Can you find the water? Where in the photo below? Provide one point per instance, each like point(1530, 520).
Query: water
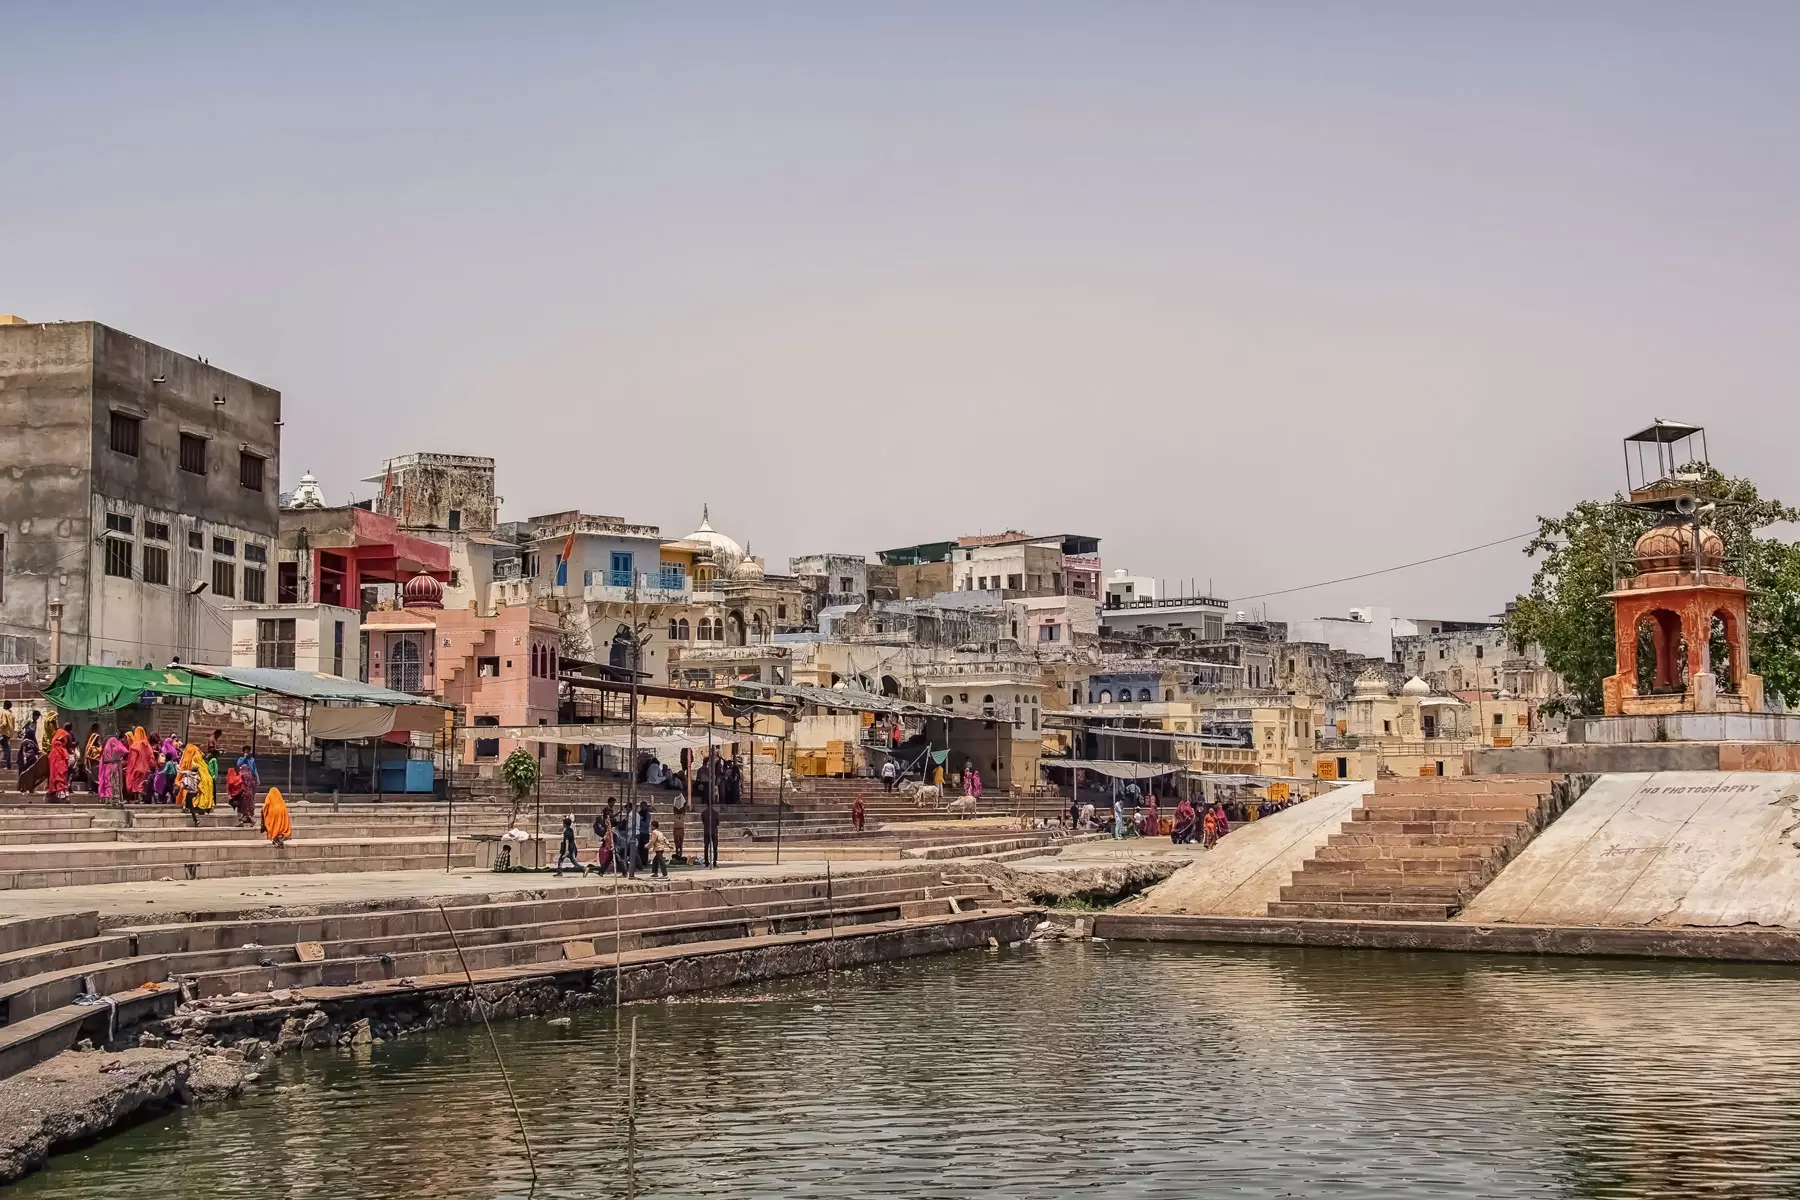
point(1073, 1070)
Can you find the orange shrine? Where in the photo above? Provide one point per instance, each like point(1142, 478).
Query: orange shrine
point(1681, 600)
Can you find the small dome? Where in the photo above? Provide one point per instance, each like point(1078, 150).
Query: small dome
point(750, 570)
point(1670, 547)
point(726, 553)
point(422, 591)
point(1371, 683)
point(1415, 687)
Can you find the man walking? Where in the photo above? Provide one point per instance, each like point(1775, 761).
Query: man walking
point(659, 851)
point(889, 773)
point(8, 727)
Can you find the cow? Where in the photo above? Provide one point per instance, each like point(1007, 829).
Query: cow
point(964, 807)
point(928, 795)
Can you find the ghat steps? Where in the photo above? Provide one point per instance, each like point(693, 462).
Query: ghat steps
point(1418, 849)
point(46, 963)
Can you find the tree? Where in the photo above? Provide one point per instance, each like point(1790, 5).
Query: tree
point(520, 770)
point(1586, 549)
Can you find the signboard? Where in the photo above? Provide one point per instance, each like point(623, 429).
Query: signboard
point(1501, 741)
point(1280, 791)
point(1325, 768)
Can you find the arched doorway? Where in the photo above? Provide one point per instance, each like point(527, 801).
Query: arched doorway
point(890, 686)
point(734, 629)
point(1723, 637)
point(1661, 654)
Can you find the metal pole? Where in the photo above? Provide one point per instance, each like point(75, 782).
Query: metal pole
point(780, 795)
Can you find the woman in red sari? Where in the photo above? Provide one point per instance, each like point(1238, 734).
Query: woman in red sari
point(58, 788)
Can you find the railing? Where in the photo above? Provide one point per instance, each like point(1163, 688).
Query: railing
point(667, 582)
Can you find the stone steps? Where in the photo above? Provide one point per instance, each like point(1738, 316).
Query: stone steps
point(239, 868)
point(1418, 849)
point(219, 958)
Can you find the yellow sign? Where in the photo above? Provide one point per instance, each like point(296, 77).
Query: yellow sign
point(1502, 742)
point(1279, 791)
point(1326, 768)
point(1428, 769)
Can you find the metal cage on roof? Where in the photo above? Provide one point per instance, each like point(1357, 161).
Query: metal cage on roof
point(1659, 462)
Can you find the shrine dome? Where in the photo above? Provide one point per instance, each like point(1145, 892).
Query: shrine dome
point(422, 591)
point(1670, 547)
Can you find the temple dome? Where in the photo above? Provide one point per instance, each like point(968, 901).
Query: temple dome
point(1670, 547)
point(422, 591)
point(726, 553)
point(308, 494)
point(1415, 687)
point(748, 571)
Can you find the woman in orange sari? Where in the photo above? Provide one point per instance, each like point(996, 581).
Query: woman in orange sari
point(91, 751)
point(140, 760)
point(275, 824)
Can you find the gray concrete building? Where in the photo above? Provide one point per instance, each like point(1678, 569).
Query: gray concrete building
point(138, 493)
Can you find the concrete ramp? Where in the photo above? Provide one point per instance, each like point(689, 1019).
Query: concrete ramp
point(1240, 876)
point(1674, 848)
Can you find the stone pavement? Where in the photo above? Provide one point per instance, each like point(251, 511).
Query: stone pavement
point(146, 901)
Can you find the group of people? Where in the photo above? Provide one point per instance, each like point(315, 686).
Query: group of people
point(1209, 824)
point(127, 767)
point(631, 840)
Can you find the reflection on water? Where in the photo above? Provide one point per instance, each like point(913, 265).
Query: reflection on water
point(1069, 1070)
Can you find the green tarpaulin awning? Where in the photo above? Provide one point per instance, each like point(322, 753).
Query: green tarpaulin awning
point(86, 689)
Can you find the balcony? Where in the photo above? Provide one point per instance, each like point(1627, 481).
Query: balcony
point(648, 587)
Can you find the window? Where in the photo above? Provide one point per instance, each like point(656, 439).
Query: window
point(124, 438)
point(225, 546)
point(118, 523)
point(781, 611)
point(193, 454)
point(156, 531)
point(674, 629)
point(118, 557)
point(1049, 633)
point(1387, 727)
point(487, 667)
point(528, 564)
point(156, 565)
point(1106, 697)
point(195, 540)
point(337, 648)
point(1496, 718)
point(1144, 695)
point(682, 626)
point(254, 553)
point(846, 584)
point(287, 584)
point(455, 519)
point(1056, 581)
point(274, 642)
point(255, 579)
point(224, 580)
point(487, 747)
point(1478, 651)
point(250, 471)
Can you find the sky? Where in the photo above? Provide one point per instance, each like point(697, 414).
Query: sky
point(1260, 295)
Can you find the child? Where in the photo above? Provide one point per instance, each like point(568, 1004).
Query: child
point(658, 846)
point(566, 849)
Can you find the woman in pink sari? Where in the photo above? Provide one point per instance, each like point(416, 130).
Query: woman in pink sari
point(112, 763)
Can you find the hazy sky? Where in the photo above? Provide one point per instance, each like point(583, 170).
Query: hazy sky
point(1259, 294)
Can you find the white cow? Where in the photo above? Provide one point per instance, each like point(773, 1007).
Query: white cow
point(964, 807)
point(928, 795)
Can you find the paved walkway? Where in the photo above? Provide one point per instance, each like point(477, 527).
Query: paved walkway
point(147, 900)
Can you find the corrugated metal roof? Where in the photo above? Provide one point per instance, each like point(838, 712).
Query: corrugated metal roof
point(313, 686)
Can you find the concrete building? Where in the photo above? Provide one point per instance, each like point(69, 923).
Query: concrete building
point(450, 499)
point(320, 638)
point(1006, 755)
point(1053, 624)
point(1471, 657)
point(141, 491)
point(831, 580)
point(1016, 564)
point(1131, 605)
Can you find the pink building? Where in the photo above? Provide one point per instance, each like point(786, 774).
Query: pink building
point(497, 670)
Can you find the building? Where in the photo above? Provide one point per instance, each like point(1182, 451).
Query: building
point(141, 494)
point(1005, 753)
point(1053, 624)
point(1471, 657)
point(914, 572)
point(1131, 606)
point(1017, 564)
point(831, 580)
point(320, 638)
point(445, 493)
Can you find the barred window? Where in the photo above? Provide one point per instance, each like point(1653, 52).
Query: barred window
point(275, 643)
point(193, 454)
point(124, 439)
point(156, 564)
point(254, 553)
point(224, 580)
point(250, 471)
point(118, 558)
point(253, 584)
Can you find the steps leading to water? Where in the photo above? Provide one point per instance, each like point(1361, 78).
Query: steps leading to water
point(1418, 849)
point(46, 964)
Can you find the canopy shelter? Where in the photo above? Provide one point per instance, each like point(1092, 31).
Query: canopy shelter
point(1113, 767)
point(88, 689)
point(314, 687)
point(662, 739)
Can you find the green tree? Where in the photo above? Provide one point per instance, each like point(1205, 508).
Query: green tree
point(1586, 549)
point(520, 770)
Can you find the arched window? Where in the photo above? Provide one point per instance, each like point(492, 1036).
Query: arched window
point(674, 629)
point(1106, 697)
point(1169, 695)
point(1144, 695)
point(404, 666)
point(704, 632)
point(681, 629)
point(949, 700)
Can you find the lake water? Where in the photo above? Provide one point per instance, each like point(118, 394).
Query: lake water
point(1067, 1070)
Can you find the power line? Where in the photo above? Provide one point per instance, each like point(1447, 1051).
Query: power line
point(1517, 537)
